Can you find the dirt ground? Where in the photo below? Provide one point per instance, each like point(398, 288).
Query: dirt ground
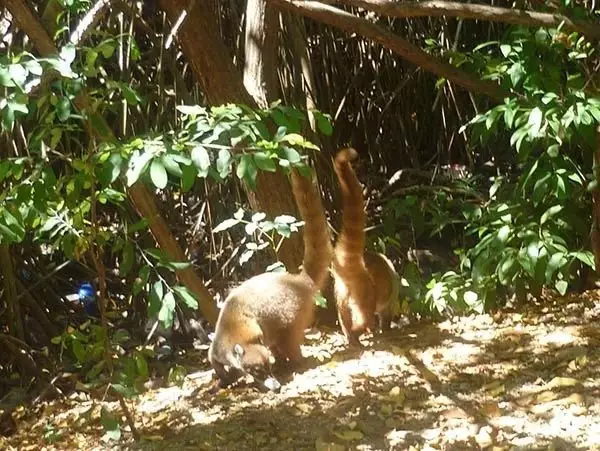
point(512, 380)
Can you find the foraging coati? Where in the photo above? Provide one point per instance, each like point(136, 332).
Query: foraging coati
point(364, 282)
point(265, 317)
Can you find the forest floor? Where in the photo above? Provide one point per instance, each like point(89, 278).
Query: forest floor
point(526, 380)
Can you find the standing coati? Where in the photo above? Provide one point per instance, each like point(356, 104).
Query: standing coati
point(364, 282)
point(265, 317)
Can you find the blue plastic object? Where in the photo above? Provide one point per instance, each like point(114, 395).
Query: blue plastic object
point(87, 297)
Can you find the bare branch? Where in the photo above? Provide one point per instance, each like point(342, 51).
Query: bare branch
point(351, 23)
point(88, 21)
point(436, 8)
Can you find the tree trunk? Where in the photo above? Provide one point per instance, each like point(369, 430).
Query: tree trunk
point(595, 233)
point(10, 292)
point(222, 83)
point(260, 48)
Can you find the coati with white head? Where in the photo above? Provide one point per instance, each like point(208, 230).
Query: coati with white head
point(265, 317)
point(364, 282)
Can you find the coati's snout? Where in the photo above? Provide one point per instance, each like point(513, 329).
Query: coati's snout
point(257, 360)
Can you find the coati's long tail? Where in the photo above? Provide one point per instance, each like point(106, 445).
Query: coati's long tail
point(318, 251)
point(350, 245)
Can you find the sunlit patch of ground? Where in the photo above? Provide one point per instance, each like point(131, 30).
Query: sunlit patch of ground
point(513, 380)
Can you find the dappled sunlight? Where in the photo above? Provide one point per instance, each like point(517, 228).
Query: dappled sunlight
point(509, 381)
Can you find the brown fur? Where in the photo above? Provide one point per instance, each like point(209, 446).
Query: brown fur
point(363, 282)
point(265, 317)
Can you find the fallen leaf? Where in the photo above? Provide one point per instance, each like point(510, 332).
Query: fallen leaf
point(546, 396)
point(495, 388)
point(349, 435)
point(322, 445)
point(304, 408)
point(490, 409)
point(560, 382)
point(398, 350)
point(386, 409)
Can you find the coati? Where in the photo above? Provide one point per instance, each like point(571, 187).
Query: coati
point(265, 317)
point(364, 282)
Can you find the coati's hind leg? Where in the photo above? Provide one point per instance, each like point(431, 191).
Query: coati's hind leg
point(289, 345)
point(346, 323)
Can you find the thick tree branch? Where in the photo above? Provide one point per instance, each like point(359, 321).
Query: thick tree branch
point(351, 23)
point(436, 8)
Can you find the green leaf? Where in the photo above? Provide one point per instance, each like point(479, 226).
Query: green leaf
point(285, 219)
point(5, 78)
point(291, 155)
point(191, 110)
point(586, 257)
point(171, 164)
point(550, 212)
point(141, 280)
point(293, 139)
point(110, 423)
point(18, 73)
point(561, 286)
point(186, 296)
point(201, 160)
point(557, 260)
point(535, 121)
point(158, 174)
point(540, 189)
point(8, 117)
point(188, 177)
point(251, 173)
point(155, 299)
point(107, 49)
point(167, 310)
point(67, 53)
point(549, 97)
point(320, 300)
point(140, 225)
point(505, 50)
point(243, 165)
point(224, 163)
point(137, 164)
point(281, 131)
point(127, 259)
point(323, 123)
point(174, 266)
point(506, 269)
point(516, 72)
point(141, 365)
point(228, 223)
point(553, 150)
point(264, 162)
point(131, 97)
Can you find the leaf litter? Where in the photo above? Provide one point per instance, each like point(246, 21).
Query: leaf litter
point(525, 379)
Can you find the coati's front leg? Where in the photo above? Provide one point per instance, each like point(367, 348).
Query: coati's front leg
point(226, 377)
point(288, 345)
point(385, 319)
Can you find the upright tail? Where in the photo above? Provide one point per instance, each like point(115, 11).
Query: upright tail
point(351, 241)
point(318, 251)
